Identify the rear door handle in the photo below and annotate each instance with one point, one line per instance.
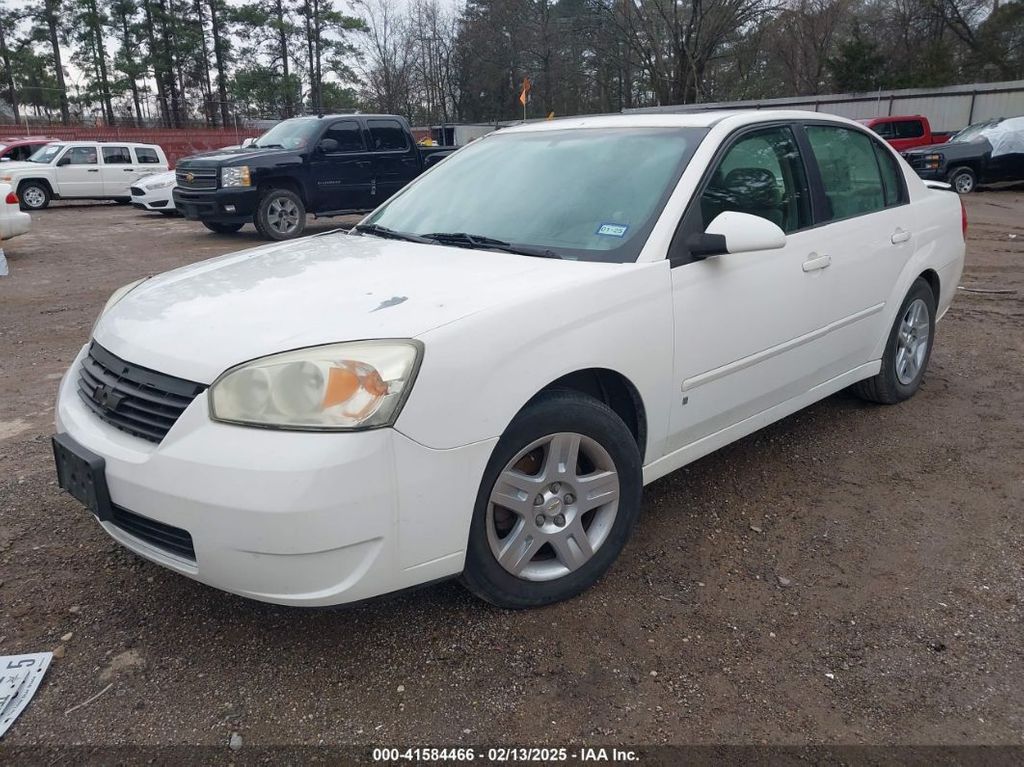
(129, 170)
(899, 236)
(819, 262)
(93, 170)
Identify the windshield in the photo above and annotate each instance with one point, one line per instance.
(290, 134)
(972, 132)
(46, 154)
(590, 194)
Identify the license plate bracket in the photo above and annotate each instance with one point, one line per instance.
(83, 474)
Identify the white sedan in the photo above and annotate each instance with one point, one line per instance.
(154, 193)
(12, 221)
(479, 379)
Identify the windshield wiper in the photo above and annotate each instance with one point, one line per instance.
(463, 240)
(269, 146)
(390, 234)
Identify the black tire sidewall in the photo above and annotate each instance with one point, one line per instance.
(920, 289)
(549, 414)
(219, 228)
(33, 185)
(263, 226)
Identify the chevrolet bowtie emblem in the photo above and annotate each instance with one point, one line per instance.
(190, 177)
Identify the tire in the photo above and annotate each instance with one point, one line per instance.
(280, 215)
(171, 214)
(123, 200)
(609, 458)
(34, 195)
(963, 180)
(222, 228)
(906, 352)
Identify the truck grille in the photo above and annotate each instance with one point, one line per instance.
(136, 400)
(196, 178)
(156, 534)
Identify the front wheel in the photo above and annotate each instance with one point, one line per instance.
(33, 195)
(280, 215)
(222, 228)
(907, 350)
(963, 180)
(556, 505)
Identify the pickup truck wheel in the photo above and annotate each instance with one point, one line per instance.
(556, 505)
(222, 228)
(963, 180)
(907, 350)
(33, 195)
(281, 215)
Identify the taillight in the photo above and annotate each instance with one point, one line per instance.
(963, 217)
(11, 199)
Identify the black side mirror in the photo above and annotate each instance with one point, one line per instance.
(328, 145)
(703, 245)
(64, 161)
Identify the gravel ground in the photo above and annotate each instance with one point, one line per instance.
(852, 574)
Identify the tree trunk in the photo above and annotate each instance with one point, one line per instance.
(5, 58)
(219, 62)
(50, 12)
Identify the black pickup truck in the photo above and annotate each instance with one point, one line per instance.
(969, 158)
(329, 165)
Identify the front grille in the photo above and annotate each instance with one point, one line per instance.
(157, 534)
(136, 191)
(134, 399)
(196, 178)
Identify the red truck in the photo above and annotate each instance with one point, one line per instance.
(906, 131)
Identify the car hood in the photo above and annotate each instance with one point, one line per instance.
(21, 165)
(156, 178)
(238, 156)
(198, 321)
(963, 149)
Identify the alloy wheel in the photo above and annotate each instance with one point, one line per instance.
(552, 507)
(33, 197)
(912, 342)
(283, 215)
(963, 183)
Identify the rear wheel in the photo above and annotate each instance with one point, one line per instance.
(222, 228)
(907, 351)
(556, 505)
(33, 195)
(963, 180)
(281, 215)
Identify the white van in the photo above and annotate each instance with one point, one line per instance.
(89, 170)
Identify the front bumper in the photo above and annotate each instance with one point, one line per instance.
(153, 201)
(295, 518)
(236, 205)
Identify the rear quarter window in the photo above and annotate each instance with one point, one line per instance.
(146, 156)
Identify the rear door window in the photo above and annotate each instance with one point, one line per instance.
(909, 129)
(387, 136)
(849, 171)
(892, 177)
(116, 155)
(348, 134)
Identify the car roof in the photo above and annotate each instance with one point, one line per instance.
(694, 119)
(85, 142)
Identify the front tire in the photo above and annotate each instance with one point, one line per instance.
(556, 505)
(281, 215)
(34, 195)
(907, 351)
(222, 228)
(963, 180)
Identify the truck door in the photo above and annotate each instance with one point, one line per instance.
(396, 161)
(341, 169)
(117, 171)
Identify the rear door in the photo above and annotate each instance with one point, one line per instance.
(118, 170)
(867, 231)
(396, 161)
(343, 176)
(78, 172)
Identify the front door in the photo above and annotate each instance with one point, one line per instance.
(118, 171)
(342, 169)
(78, 173)
(746, 324)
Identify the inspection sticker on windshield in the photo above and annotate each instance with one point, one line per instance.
(612, 230)
(20, 675)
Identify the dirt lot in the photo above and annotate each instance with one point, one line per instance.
(853, 574)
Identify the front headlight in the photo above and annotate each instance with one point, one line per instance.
(933, 161)
(159, 185)
(355, 385)
(235, 176)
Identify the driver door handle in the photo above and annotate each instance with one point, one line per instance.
(817, 262)
(900, 235)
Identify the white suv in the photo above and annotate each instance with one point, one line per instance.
(92, 170)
